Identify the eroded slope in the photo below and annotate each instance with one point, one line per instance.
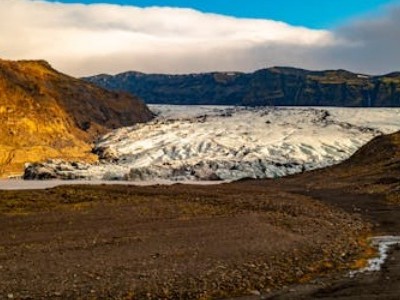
(46, 114)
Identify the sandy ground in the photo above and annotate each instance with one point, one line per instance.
(19, 184)
(167, 242)
(383, 284)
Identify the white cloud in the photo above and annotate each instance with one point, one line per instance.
(90, 39)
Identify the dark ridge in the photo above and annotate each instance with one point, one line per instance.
(280, 86)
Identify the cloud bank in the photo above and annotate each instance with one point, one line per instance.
(90, 39)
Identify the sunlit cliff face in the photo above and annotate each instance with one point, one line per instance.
(45, 114)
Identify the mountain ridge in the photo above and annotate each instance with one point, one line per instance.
(280, 86)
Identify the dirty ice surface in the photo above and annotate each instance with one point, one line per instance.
(228, 143)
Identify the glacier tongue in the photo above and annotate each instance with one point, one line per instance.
(228, 143)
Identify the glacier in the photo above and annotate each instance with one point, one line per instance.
(204, 143)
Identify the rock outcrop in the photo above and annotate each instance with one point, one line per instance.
(45, 114)
(274, 86)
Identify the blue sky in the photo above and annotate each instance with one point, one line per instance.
(309, 13)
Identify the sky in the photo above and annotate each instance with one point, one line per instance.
(83, 37)
(309, 13)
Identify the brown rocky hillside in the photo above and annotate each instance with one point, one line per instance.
(45, 114)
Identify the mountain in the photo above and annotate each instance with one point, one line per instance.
(46, 114)
(274, 86)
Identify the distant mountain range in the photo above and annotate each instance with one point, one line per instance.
(281, 86)
(46, 114)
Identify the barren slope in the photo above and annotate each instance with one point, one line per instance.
(46, 114)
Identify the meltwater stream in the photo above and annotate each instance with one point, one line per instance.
(383, 244)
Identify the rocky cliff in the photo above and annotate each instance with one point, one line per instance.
(45, 114)
(273, 86)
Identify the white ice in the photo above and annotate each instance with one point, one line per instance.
(229, 143)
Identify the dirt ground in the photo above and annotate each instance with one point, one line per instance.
(376, 285)
(166, 241)
(289, 238)
(367, 185)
